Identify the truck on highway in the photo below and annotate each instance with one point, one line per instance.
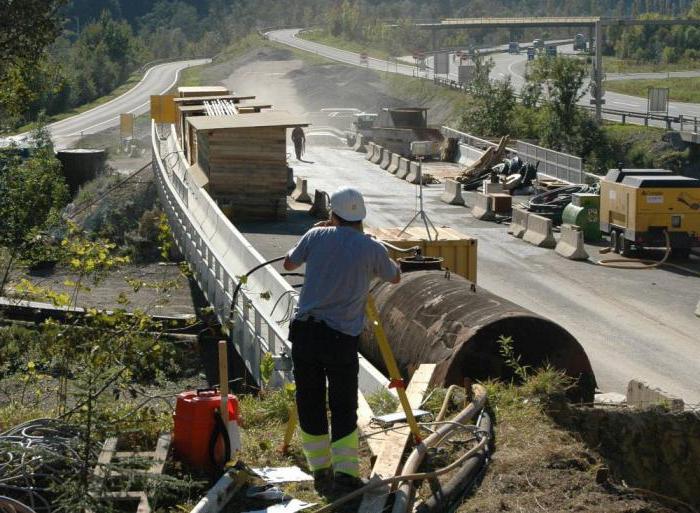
(551, 51)
(514, 47)
(579, 43)
(538, 44)
(650, 208)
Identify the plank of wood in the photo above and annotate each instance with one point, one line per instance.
(109, 449)
(160, 455)
(388, 460)
(364, 418)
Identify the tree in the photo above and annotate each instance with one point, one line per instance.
(32, 194)
(26, 28)
(562, 78)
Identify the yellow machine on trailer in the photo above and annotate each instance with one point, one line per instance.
(639, 206)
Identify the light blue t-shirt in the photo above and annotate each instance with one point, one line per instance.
(340, 263)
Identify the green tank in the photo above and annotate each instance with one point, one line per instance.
(584, 211)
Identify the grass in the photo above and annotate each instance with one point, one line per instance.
(643, 147)
(131, 82)
(617, 65)
(325, 38)
(680, 89)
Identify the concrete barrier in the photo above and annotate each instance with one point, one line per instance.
(386, 159)
(359, 145)
(404, 167)
(518, 223)
(570, 243)
(482, 207)
(378, 154)
(453, 193)
(320, 208)
(301, 192)
(413, 172)
(394, 166)
(697, 309)
(494, 188)
(371, 148)
(539, 232)
(643, 395)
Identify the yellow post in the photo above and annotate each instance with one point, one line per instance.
(289, 431)
(396, 381)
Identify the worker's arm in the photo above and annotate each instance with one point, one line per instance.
(398, 275)
(386, 268)
(299, 253)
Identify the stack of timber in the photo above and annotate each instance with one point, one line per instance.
(244, 161)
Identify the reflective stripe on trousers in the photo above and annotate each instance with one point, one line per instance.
(317, 449)
(344, 454)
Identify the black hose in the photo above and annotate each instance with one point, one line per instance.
(463, 480)
(242, 280)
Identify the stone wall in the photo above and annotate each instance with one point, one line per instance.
(650, 449)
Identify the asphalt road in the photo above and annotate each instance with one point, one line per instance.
(157, 80)
(632, 324)
(506, 65)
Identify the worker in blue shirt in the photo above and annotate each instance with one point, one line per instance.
(340, 263)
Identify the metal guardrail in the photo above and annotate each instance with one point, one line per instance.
(218, 254)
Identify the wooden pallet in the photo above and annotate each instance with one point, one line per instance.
(110, 455)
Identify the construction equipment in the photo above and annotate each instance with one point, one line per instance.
(638, 206)
(584, 212)
(395, 129)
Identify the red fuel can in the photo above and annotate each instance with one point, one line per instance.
(194, 424)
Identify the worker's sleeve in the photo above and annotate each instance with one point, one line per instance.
(300, 252)
(384, 267)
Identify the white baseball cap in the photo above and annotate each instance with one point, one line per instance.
(348, 203)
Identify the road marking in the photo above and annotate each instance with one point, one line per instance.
(624, 103)
(172, 84)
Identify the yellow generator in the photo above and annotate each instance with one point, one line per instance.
(637, 207)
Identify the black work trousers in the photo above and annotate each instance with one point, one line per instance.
(321, 353)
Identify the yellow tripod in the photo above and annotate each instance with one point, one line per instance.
(395, 380)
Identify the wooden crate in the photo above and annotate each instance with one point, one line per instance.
(457, 250)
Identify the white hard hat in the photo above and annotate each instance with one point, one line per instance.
(348, 203)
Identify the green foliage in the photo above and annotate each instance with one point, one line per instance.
(382, 402)
(267, 367)
(491, 109)
(511, 359)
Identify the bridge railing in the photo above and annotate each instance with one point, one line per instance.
(219, 255)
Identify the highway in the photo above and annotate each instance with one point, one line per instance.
(157, 80)
(506, 65)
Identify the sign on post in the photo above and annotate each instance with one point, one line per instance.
(163, 108)
(658, 100)
(465, 74)
(126, 125)
(442, 63)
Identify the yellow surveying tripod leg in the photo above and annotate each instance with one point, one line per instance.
(289, 431)
(396, 381)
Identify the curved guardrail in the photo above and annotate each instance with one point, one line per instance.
(218, 255)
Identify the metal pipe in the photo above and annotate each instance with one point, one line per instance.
(434, 317)
(404, 494)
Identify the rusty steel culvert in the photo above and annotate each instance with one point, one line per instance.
(432, 318)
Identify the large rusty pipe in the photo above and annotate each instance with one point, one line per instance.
(431, 317)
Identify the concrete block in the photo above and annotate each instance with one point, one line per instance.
(413, 172)
(501, 203)
(697, 309)
(320, 208)
(386, 159)
(492, 188)
(371, 148)
(539, 232)
(359, 145)
(394, 166)
(482, 207)
(301, 192)
(378, 154)
(643, 395)
(518, 223)
(453, 193)
(404, 167)
(570, 243)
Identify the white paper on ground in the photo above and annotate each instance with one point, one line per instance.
(286, 507)
(282, 474)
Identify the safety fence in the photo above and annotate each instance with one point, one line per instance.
(219, 255)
